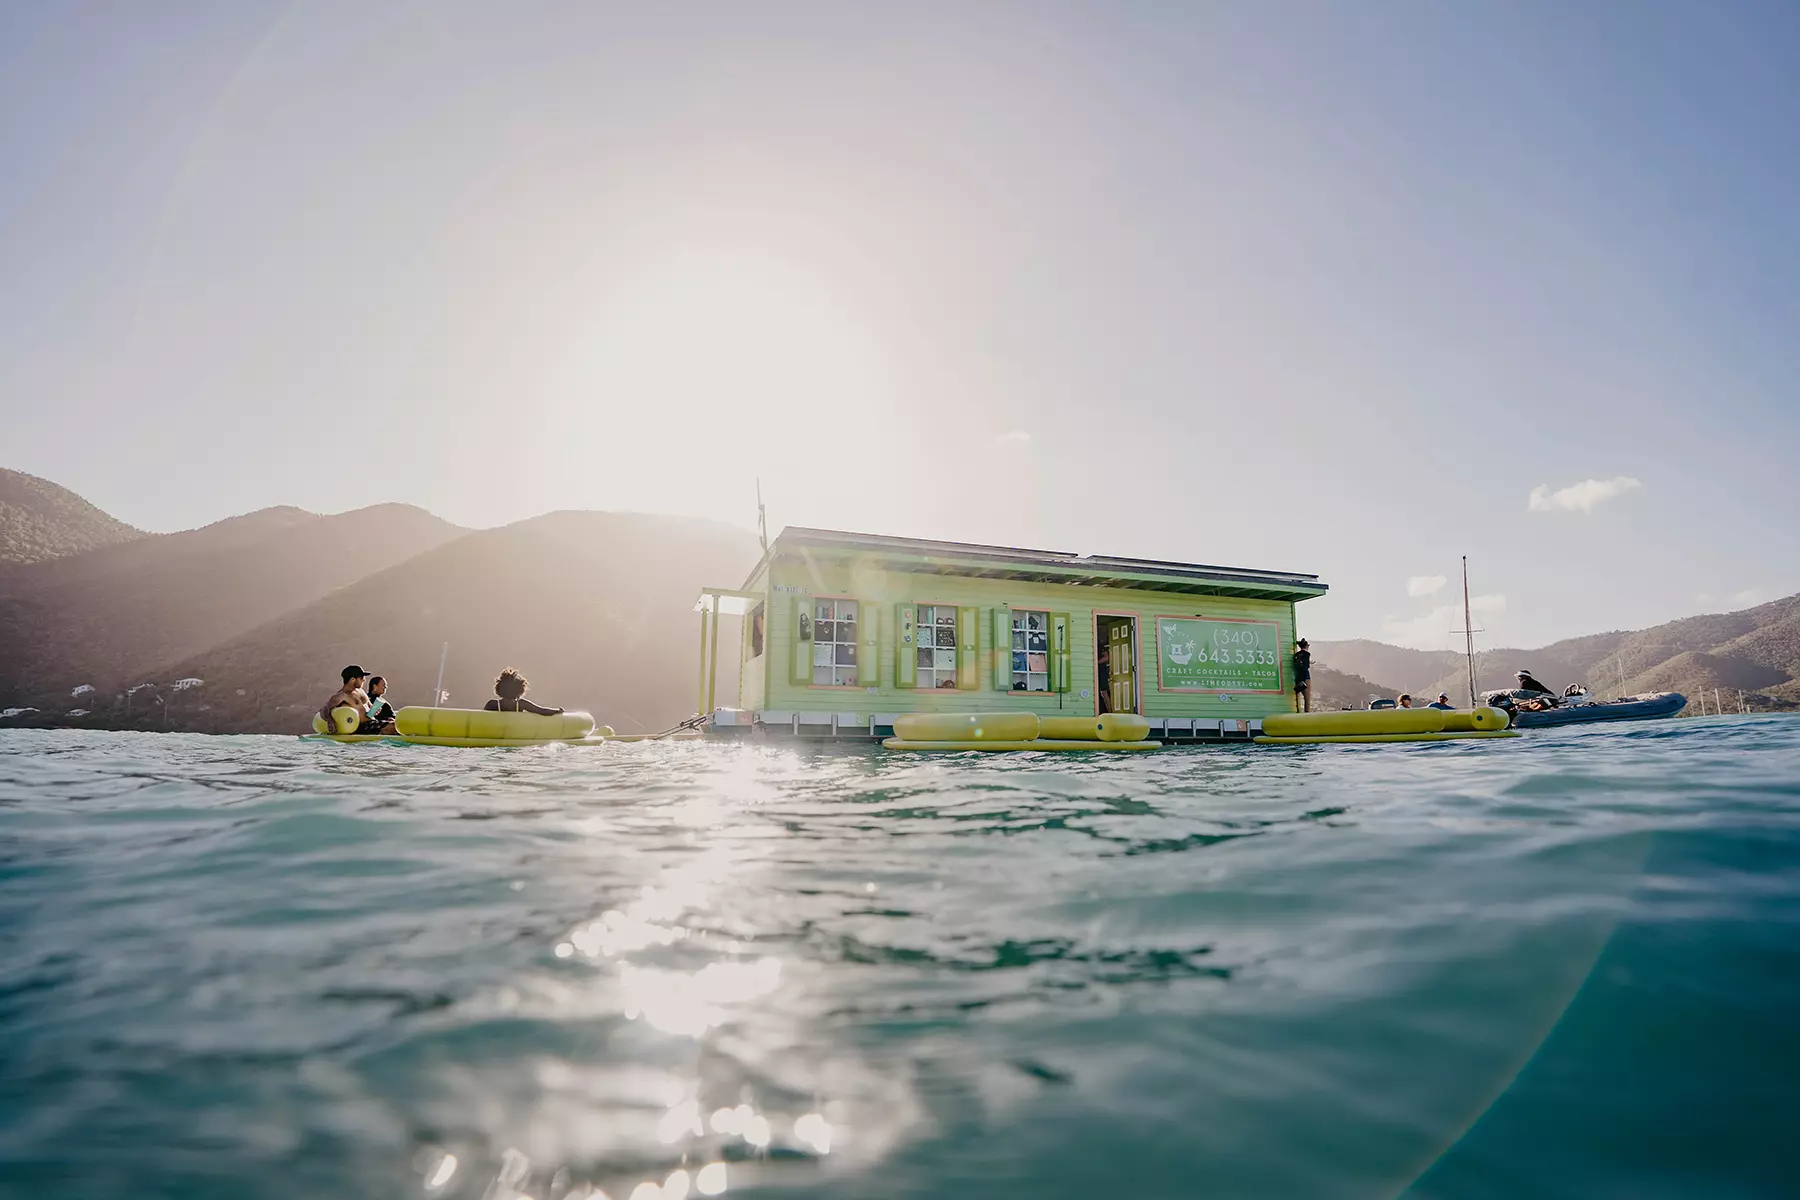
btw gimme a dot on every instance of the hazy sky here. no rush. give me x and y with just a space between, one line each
1343 288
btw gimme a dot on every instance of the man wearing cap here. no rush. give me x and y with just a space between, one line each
351 695
1443 701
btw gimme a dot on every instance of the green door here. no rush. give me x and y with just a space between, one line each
1121 653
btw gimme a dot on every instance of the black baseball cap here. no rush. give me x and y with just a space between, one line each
351 672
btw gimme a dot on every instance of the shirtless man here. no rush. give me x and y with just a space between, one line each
351 695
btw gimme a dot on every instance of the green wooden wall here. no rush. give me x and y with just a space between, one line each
789 581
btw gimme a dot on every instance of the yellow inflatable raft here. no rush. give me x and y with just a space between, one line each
428 740
1089 746
1387 737
344 720
343 725
1483 719
478 727
1383 721
966 727
1107 727
1018 731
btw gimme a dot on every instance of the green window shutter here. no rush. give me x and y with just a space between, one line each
868 653
1003 649
906 649
1060 657
968 648
800 671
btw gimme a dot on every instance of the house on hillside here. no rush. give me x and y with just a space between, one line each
841 632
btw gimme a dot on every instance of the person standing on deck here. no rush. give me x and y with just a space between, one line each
1302 677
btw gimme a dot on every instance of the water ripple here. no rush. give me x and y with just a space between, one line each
255 967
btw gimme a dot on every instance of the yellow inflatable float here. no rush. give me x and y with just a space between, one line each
479 727
1387 737
966 727
1384 725
1090 746
343 728
1107 727
1019 731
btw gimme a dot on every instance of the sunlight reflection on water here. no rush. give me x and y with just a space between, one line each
696 970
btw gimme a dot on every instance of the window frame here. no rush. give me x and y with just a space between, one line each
937 673
813 615
1012 673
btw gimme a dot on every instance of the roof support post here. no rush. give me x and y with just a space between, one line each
712 660
700 699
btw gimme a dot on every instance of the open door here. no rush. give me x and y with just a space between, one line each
1115 673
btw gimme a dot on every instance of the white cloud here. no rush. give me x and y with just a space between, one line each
1012 437
1425 585
1433 630
1580 497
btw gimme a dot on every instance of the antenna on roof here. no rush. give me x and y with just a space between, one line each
762 520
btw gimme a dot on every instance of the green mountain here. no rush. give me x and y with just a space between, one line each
40 520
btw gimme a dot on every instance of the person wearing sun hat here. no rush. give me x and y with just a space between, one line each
1528 684
1302 677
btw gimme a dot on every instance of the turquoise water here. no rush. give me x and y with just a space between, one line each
248 967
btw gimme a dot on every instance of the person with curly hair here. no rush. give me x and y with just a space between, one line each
509 691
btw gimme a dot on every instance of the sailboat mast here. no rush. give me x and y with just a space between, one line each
1468 631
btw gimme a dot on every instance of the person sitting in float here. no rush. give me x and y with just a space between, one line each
380 718
509 692
350 695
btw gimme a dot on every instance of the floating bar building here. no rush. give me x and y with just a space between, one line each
841 632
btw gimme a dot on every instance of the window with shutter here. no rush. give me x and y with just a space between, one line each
1030 656
835 642
936 653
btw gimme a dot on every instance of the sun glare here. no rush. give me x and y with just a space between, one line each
715 366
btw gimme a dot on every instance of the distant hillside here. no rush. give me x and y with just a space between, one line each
1396 666
40 520
107 616
595 608
1755 650
1336 690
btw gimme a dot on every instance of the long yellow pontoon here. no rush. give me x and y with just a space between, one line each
1384 725
1019 731
421 726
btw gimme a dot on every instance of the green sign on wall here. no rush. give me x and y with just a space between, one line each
1197 654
